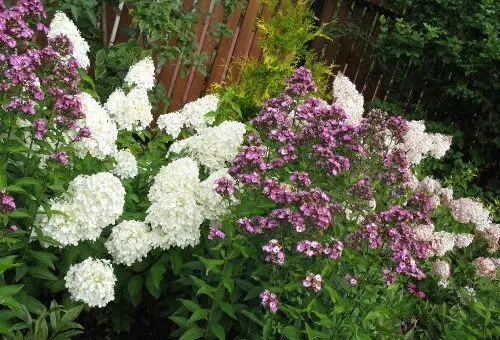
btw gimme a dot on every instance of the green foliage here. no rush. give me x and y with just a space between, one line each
284 43
451 49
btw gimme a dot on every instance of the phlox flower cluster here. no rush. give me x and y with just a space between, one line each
174 214
126 164
353 280
214 232
48 73
92 282
311 248
7 203
130 241
213 203
90 204
214 146
313 281
62 25
192 115
101 141
274 252
269 300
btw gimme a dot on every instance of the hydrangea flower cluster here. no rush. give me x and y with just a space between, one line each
487 267
346 96
130 241
142 74
62 25
90 204
91 281
193 115
131 111
441 269
126 165
102 139
214 146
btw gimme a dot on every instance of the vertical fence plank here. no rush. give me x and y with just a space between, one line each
245 37
200 82
181 80
255 49
225 49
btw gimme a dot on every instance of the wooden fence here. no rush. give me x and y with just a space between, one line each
351 55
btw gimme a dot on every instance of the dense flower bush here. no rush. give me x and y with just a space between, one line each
329 218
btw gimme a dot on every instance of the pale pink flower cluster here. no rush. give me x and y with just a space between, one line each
487 267
314 281
441 269
441 241
418 144
467 210
492 235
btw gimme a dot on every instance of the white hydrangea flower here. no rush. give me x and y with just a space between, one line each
131 112
446 195
423 232
172 123
214 146
91 281
195 112
174 214
142 74
90 204
103 132
441 269
442 242
346 96
429 185
463 240
130 241
467 210
492 235
418 144
126 165
192 115
62 25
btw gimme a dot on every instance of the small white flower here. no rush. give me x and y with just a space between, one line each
91 281
131 112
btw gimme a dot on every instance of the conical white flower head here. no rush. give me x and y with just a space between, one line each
142 74
346 96
62 25
131 112
103 132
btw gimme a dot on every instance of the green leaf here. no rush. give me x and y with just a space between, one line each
11 290
67 335
199 314
72 314
228 309
42 273
218 330
210 264
290 332
20 213
7 262
134 288
154 278
181 321
192 334
41 329
43 257
190 305
252 317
